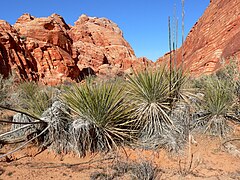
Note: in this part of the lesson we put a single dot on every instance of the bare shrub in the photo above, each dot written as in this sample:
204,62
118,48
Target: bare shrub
143,170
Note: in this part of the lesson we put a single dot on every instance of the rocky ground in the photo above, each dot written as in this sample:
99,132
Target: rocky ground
208,158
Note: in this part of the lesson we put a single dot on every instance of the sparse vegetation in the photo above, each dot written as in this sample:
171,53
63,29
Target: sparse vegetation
188,167
148,106
218,99
157,108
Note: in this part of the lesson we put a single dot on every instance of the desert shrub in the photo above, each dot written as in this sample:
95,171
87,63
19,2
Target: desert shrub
148,92
220,101
102,119
33,98
217,101
142,170
152,94
230,73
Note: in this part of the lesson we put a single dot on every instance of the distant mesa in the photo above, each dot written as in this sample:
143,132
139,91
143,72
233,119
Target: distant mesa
50,51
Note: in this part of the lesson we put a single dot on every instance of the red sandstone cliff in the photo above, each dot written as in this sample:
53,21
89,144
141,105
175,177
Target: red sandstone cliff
50,51
213,39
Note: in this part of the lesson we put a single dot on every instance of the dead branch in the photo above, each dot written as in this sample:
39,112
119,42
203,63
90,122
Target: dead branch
10,132
24,144
12,122
77,164
18,111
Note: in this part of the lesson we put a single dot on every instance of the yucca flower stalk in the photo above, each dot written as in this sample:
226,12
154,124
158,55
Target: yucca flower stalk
102,117
178,79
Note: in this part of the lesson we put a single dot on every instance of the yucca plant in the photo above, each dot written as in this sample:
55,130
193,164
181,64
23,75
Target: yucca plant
102,119
33,100
148,93
218,99
220,103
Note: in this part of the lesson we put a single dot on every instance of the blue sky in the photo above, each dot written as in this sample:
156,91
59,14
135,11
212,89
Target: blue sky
143,22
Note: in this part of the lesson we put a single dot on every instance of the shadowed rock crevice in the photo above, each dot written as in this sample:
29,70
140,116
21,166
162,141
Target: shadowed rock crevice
4,64
86,72
49,26
105,60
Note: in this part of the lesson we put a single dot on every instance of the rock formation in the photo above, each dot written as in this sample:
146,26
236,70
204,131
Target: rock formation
214,38
50,51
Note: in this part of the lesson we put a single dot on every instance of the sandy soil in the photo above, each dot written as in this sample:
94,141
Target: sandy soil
210,160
